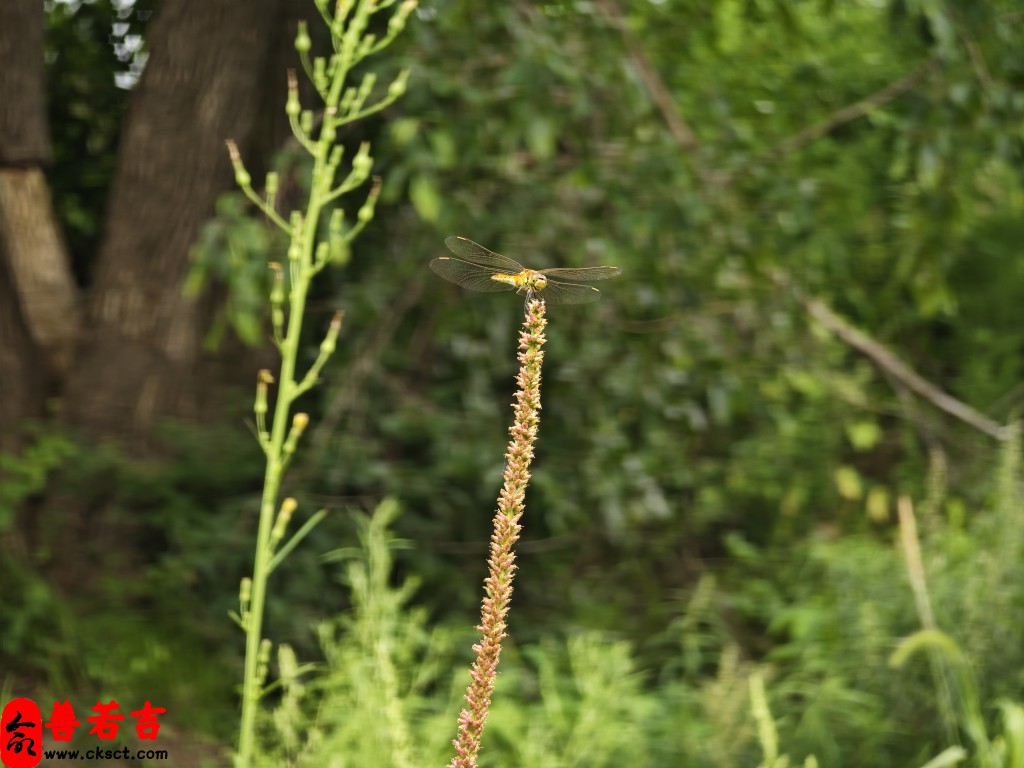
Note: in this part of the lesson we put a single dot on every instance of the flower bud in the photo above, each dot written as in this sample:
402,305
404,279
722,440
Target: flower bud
397,87
330,340
302,41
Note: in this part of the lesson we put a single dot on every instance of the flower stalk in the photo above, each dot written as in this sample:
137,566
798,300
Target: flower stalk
501,561
308,253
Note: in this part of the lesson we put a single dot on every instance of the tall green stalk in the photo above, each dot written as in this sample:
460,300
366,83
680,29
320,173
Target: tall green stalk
309,252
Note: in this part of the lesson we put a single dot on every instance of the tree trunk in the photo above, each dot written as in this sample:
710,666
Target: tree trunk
204,82
38,298
212,67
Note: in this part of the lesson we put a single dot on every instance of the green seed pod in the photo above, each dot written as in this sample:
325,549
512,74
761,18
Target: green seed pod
292,107
331,339
362,162
340,252
277,289
366,86
302,41
397,88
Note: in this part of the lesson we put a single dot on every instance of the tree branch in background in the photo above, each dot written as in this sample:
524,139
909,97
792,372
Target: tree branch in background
680,129
366,360
891,365
816,308
851,112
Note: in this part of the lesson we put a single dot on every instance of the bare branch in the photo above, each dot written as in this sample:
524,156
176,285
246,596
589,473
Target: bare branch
853,111
662,99
891,365
687,140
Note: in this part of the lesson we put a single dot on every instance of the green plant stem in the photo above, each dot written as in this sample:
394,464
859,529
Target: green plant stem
275,466
348,37
271,485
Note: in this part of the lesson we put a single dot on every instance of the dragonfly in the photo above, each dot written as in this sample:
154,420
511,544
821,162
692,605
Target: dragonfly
480,269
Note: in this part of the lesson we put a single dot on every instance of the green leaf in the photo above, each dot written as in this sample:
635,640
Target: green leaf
848,483
948,756
877,504
442,143
248,327
404,130
863,435
540,138
425,198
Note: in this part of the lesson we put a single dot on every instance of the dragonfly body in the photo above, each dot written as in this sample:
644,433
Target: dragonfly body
479,269
526,281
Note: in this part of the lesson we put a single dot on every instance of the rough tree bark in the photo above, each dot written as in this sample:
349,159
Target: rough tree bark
38,298
141,356
213,68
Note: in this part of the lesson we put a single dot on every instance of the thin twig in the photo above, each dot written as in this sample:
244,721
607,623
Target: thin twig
888,362
851,112
687,140
977,62
365,361
677,125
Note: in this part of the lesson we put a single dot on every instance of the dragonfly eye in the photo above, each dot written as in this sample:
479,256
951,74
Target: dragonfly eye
539,282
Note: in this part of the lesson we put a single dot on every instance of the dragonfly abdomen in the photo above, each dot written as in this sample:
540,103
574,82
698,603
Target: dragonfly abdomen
527,280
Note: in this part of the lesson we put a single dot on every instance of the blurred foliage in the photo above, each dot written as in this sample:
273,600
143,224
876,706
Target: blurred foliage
386,696
716,475
233,252
1006,747
837,688
25,474
695,400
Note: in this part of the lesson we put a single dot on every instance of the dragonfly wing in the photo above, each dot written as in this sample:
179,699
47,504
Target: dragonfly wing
583,274
467,275
568,293
477,254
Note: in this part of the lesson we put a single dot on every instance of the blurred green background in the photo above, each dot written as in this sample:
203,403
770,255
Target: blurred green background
717,473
